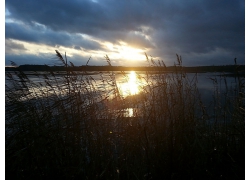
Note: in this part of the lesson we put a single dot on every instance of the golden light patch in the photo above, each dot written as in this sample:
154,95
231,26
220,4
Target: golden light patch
130,53
124,52
131,87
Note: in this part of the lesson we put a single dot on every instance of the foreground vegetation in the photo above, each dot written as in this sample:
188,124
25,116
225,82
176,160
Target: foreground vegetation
68,128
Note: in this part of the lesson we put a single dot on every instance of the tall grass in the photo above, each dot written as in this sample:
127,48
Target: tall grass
69,127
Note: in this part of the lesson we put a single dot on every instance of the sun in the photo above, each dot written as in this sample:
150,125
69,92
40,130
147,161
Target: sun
129,53
124,51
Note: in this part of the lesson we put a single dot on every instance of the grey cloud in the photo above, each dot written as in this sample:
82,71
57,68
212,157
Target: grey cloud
83,16
10,46
138,40
78,47
42,35
184,27
49,59
215,26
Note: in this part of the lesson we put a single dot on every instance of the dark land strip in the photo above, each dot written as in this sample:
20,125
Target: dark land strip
239,69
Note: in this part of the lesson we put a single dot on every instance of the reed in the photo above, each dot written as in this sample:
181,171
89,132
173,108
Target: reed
69,127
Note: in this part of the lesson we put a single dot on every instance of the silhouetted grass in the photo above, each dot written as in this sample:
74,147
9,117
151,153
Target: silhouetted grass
73,127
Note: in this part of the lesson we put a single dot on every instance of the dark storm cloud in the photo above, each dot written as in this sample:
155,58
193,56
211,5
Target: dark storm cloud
37,33
78,16
197,30
108,20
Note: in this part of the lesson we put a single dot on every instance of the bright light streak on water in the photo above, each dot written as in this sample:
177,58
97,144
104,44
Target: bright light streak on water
131,87
130,112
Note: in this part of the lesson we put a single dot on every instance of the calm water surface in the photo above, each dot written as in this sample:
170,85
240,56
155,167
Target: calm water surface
131,83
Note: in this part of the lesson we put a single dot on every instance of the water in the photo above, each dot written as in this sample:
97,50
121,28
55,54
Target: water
128,84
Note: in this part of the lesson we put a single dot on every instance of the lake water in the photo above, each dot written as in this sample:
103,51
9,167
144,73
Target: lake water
128,84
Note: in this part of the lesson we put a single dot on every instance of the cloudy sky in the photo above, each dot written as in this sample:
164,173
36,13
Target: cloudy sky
203,32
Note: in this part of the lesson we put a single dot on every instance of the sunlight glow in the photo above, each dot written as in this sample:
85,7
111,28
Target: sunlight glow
125,52
131,87
130,112
37,49
130,53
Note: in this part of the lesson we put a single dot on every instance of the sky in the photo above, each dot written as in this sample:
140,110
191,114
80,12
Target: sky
202,32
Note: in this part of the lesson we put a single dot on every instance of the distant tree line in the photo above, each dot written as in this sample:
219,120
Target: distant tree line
198,69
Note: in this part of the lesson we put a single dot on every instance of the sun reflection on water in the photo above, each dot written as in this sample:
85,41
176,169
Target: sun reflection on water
130,112
131,87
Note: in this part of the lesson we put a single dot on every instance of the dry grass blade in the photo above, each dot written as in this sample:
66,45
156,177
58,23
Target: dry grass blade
58,54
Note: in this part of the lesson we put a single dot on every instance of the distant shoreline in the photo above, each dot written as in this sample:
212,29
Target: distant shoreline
92,69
